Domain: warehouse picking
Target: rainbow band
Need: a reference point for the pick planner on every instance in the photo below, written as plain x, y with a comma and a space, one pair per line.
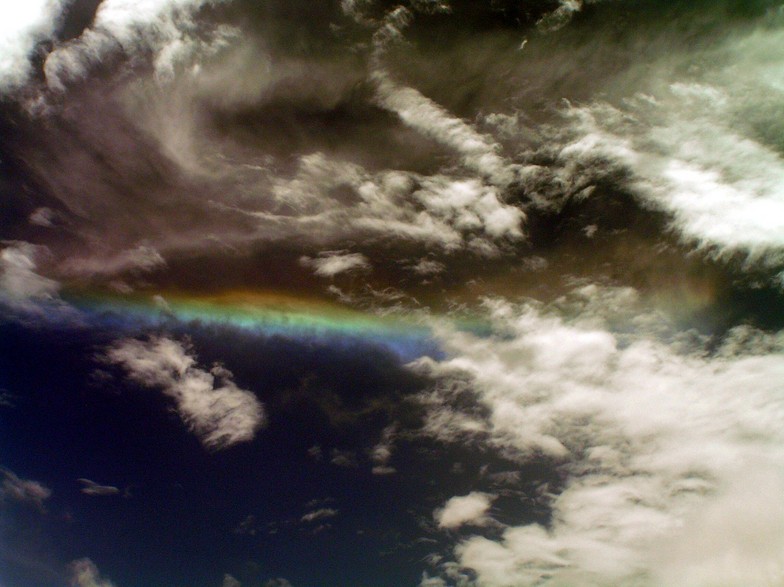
269, 314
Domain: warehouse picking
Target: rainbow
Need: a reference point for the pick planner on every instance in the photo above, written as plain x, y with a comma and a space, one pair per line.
264, 313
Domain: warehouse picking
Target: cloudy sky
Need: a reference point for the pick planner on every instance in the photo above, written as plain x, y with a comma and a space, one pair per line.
466, 293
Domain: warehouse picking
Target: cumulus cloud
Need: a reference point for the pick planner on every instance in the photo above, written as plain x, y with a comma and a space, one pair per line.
93, 488
467, 509
319, 514
209, 402
43, 217
343, 458
84, 573
426, 267
331, 263
163, 27
722, 188
22, 26
701, 144
560, 17
23, 490
229, 581
18, 278
382, 452
143, 258
437, 209
662, 449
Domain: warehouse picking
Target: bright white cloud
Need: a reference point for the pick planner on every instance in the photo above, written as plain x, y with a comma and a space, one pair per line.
209, 402
22, 26
437, 209
479, 153
130, 27
84, 573
92, 488
18, 278
674, 460
703, 146
428, 267
331, 263
143, 258
467, 509
319, 514
723, 190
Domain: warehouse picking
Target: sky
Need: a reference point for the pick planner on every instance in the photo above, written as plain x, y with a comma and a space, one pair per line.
465, 293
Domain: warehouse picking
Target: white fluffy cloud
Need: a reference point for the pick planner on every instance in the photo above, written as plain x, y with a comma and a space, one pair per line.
723, 189
440, 210
18, 278
229, 581
466, 509
702, 144
674, 459
22, 26
319, 514
143, 259
130, 27
331, 263
22, 490
92, 488
209, 402
84, 573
